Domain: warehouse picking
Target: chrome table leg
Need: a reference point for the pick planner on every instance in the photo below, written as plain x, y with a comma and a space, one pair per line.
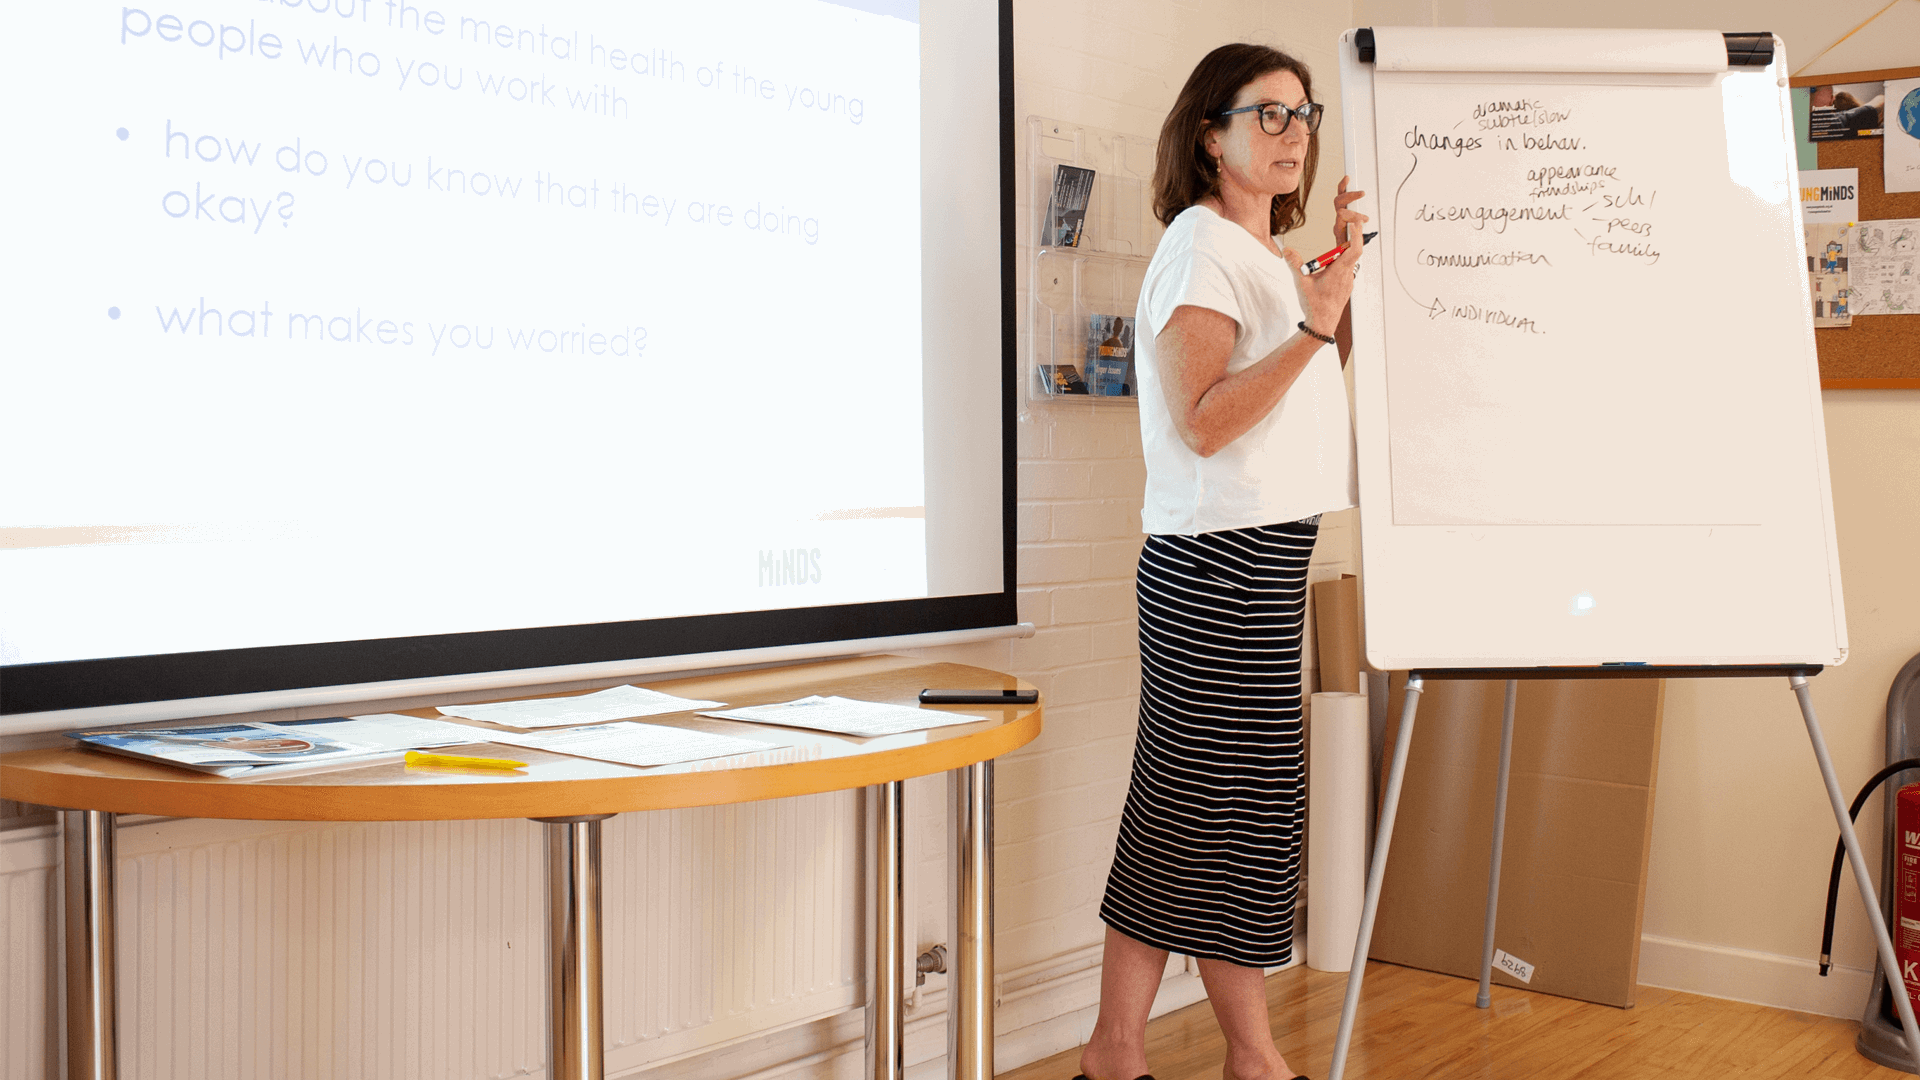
87, 866
886, 991
574, 1016
970, 986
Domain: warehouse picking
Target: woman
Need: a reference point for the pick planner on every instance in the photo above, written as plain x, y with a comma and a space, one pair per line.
1243, 418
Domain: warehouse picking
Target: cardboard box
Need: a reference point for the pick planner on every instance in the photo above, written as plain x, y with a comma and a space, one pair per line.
1579, 821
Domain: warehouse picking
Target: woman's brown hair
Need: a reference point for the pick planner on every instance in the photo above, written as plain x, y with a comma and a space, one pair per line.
1183, 172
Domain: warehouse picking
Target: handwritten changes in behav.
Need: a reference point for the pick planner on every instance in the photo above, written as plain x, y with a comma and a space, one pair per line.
1568, 186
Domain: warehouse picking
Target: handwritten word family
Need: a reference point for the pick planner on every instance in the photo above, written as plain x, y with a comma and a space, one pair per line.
1557, 195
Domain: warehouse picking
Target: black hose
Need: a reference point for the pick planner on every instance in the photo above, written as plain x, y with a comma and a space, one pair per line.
1840, 854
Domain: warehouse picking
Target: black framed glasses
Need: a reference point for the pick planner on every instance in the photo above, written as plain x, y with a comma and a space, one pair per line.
1274, 117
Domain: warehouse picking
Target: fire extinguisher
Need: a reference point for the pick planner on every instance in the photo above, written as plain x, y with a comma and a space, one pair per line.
1906, 896
1906, 890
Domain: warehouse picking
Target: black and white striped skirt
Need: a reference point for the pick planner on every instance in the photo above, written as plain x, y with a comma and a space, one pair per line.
1208, 860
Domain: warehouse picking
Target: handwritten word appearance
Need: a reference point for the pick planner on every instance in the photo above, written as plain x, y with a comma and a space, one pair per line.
1560, 181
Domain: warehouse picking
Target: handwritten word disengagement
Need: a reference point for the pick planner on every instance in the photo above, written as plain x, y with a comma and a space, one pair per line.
1499, 216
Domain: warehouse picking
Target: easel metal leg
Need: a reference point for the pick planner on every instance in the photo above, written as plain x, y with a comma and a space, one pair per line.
1485, 997
1888, 961
87, 865
886, 1014
970, 991
1376, 874
574, 1003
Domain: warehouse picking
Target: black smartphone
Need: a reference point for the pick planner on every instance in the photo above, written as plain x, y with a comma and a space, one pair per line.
978, 697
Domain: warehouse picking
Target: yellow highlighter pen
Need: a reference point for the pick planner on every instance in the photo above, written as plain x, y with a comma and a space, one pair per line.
415, 757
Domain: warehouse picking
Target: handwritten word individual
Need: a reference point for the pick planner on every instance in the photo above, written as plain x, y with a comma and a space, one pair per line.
1476, 313
1494, 317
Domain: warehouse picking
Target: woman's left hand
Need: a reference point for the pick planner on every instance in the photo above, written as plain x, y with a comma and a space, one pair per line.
1342, 214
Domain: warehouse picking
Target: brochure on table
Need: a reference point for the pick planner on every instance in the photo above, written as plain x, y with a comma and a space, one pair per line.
257, 748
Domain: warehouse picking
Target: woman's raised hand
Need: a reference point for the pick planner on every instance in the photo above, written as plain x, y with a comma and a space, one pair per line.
1343, 214
1326, 291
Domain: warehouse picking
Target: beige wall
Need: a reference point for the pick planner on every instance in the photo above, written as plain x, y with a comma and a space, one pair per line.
1742, 833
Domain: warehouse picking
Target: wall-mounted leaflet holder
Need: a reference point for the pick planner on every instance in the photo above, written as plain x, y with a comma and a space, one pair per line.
1066, 218
1090, 202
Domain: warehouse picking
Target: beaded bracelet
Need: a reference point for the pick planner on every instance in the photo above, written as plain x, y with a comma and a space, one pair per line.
1314, 335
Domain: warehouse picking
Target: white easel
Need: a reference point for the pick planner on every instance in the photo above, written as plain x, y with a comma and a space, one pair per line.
1796, 676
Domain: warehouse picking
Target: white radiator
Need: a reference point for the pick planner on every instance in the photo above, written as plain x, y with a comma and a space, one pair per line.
325, 952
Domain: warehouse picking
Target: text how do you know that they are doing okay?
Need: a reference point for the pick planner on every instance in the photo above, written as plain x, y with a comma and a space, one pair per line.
234, 197
1577, 201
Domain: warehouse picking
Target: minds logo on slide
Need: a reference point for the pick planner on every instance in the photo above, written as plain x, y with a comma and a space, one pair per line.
792, 566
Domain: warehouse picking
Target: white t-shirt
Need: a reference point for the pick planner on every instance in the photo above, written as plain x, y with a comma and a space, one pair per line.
1295, 462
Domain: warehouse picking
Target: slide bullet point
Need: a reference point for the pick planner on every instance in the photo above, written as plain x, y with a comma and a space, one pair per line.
113, 313
122, 133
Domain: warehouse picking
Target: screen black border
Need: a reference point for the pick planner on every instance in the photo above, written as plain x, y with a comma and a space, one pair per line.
130, 680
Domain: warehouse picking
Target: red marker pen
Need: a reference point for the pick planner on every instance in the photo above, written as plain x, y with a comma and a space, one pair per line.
1320, 262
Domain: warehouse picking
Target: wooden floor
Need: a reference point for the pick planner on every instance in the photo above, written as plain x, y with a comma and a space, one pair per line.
1415, 1025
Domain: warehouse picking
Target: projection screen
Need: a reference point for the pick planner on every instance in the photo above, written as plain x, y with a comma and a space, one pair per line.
360, 341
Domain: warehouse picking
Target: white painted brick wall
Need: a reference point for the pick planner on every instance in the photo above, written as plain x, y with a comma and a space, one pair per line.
1116, 65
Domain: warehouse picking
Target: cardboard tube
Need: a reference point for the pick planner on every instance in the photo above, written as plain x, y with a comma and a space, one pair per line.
1336, 828
1336, 619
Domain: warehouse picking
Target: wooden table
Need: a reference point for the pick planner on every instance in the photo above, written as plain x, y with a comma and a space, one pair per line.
572, 796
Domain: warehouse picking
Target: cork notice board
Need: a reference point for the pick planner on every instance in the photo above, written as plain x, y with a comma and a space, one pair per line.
1877, 351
